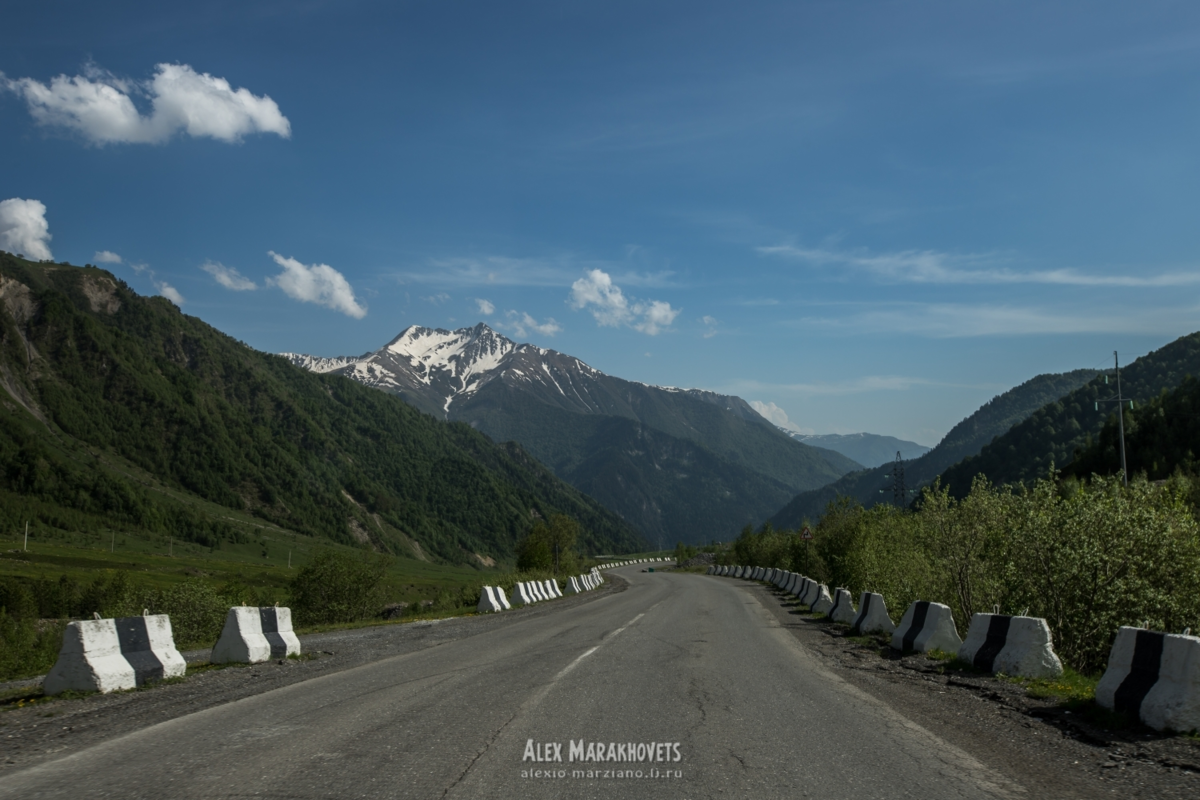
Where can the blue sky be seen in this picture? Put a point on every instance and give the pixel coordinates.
(876, 216)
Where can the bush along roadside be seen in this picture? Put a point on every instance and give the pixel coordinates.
(1087, 557)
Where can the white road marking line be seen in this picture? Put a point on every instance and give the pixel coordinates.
(587, 653)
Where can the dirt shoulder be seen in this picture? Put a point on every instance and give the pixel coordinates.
(54, 727)
(1052, 750)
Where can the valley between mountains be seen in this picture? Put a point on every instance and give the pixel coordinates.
(677, 464)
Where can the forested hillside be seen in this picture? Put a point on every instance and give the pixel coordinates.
(1161, 437)
(119, 410)
(1056, 433)
(992, 419)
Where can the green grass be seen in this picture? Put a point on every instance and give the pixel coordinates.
(160, 564)
(1071, 687)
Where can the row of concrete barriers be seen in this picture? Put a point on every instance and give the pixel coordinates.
(107, 655)
(494, 598)
(1152, 675)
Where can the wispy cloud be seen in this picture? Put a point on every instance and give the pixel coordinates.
(556, 270)
(954, 320)
(228, 277)
(860, 385)
(597, 292)
(438, 299)
(106, 257)
(486, 307)
(930, 266)
(521, 323)
(710, 324)
(101, 107)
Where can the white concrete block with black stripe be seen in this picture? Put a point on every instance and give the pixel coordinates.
(872, 615)
(812, 590)
(105, 655)
(926, 626)
(1155, 677)
(253, 634)
(823, 603)
(843, 607)
(552, 589)
(1018, 646)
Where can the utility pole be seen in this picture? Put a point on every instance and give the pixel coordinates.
(26, 535)
(1120, 400)
(899, 494)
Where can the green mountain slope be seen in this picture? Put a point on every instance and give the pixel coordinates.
(97, 376)
(1054, 433)
(1160, 437)
(670, 488)
(992, 419)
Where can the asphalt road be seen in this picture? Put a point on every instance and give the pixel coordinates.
(676, 658)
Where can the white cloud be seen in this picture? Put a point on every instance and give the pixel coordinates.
(106, 257)
(485, 307)
(101, 107)
(867, 383)
(711, 323)
(952, 320)
(776, 415)
(520, 323)
(437, 299)
(928, 266)
(319, 283)
(170, 292)
(228, 277)
(23, 228)
(608, 304)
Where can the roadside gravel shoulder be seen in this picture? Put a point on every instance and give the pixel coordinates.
(1050, 750)
(56, 727)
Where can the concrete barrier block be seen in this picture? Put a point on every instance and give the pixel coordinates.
(277, 627)
(812, 590)
(552, 589)
(872, 615)
(502, 598)
(90, 660)
(242, 639)
(487, 601)
(843, 607)
(1154, 676)
(824, 603)
(572, 586)
(1013, 645)
(926, 626)
(520, 595)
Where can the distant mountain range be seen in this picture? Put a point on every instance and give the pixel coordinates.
(868, 449)
(993, 419)
(678, 464)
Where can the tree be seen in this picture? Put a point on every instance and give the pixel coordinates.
(550, 546)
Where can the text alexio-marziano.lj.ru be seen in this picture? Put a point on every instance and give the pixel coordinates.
(581, 751)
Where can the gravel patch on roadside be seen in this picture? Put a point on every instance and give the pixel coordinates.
(53, 728)
(1050, 750)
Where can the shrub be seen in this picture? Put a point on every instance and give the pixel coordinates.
(337, 587)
